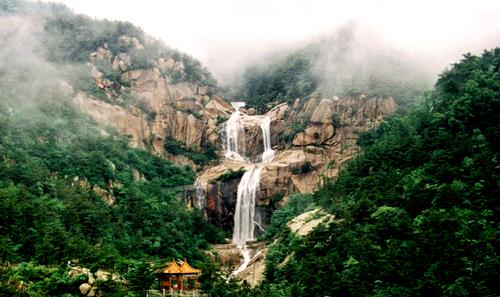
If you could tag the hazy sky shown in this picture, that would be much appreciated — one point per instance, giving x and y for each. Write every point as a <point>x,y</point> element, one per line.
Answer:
<point>222,33</point>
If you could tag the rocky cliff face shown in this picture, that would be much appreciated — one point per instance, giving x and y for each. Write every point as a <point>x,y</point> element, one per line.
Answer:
<point>312,138</point>
<point>326,140</point>
<point>305,156</point>
<point>149,107</point>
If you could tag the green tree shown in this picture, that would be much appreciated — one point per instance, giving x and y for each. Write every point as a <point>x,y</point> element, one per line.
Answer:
<point>140,277</point>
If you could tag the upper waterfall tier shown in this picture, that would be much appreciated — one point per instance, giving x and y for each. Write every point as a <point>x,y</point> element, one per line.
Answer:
<point>245,135</point>
<point>233,130</point>
<point>265,125</point>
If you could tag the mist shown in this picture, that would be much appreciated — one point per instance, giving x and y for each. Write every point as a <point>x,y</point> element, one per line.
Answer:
<point>24,71</point>
<point>227,35</point>
<point>359,40</point>
<point>32,88</point>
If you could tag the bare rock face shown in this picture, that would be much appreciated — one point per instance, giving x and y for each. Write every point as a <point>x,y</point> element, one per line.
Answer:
<point>150,108</point>
<point>328,140</point>
<point>149,129</point>
<point>228,255</point>
<point>221,192</point>
<point>324,112</point>
<point>128,121</point>
<point>305,223</point>
<point>253,274</point>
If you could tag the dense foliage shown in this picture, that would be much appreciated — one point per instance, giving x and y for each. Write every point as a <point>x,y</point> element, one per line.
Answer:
<point>200,156</point>
<point>49,216</point>
<point>282,81</point>
<point>73,191</point>
<point>72,38</point>
<point>418,210</point>
<point>43,155</point>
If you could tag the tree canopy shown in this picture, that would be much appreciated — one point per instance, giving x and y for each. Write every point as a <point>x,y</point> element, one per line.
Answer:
<point>418,209</point>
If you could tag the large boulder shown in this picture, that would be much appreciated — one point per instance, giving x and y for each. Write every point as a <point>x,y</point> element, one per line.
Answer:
<point>92,292</point>
<point>314,134</point>
<point>324,112</point>
<point>121,62</point>
<point>102,275</point>
<point>305,223</point>
<point>102,53</point>
<point>85,288</point>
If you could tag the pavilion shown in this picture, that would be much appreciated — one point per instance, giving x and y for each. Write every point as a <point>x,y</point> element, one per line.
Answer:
<point>175,275</point>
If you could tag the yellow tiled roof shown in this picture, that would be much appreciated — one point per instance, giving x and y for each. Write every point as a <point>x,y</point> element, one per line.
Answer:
<point>172,268</point>
<point>184,268</point>
<point>187,269</point>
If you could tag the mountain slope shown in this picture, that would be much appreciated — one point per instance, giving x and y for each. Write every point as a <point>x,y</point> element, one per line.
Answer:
<point>416,212</point>
<point>72,189</point>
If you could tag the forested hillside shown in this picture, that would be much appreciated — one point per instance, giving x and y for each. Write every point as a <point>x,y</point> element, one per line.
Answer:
<point>416,213</point>
<point>73,190</point>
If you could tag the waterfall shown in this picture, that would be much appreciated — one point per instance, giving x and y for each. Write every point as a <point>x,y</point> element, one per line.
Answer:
<point>248,188</point>
<point>232,130</point>
<point>200,194</point>
<point>244,215</point>
<point>265,126</point>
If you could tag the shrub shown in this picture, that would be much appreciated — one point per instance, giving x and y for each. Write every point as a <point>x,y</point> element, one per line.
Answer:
<point>105,67</point>
<point>294,129</point>
<point>230,174</point>
<point>303,169</point>
<point>206,155</point>
<point>336,121</point>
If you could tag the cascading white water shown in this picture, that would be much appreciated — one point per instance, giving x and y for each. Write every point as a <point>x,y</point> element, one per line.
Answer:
<point>244,215</point>
<point>245,252</point>
<point>265,126</point>
<point>248,188</point>
<point>232,130</point>
<point>200,194</point>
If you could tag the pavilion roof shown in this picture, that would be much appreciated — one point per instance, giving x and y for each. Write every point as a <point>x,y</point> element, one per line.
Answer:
<point>172,268</point>
<point>187,269</point>
<point>183,268</point>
